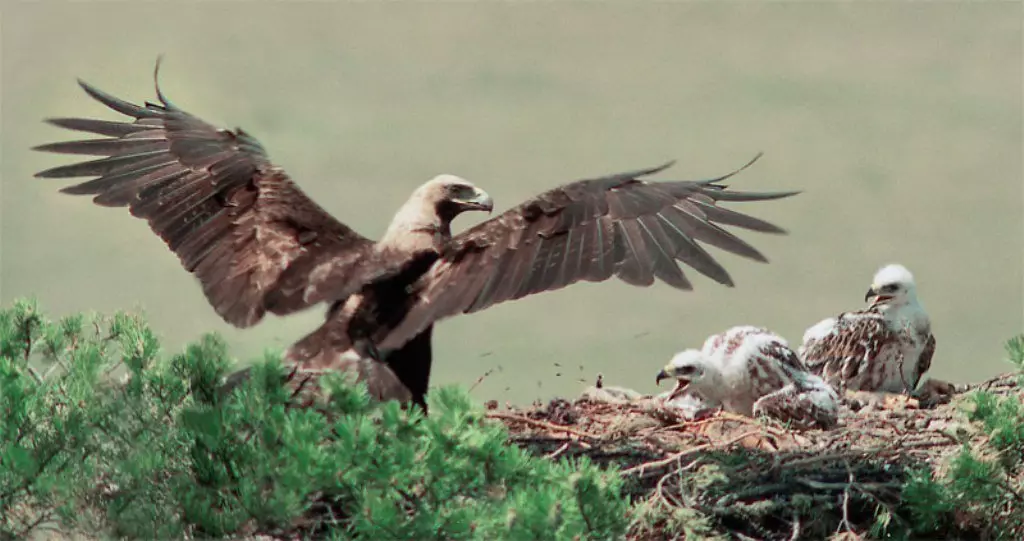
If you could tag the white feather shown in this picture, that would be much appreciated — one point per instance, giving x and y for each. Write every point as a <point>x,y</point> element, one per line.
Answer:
<point>893,273</point>
<point>820,330</point>
<point>740,366</point>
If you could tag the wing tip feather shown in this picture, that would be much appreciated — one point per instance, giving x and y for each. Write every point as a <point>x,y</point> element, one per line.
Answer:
<point>46,147</point>
<point>658,168</point>
<point>156,81</point>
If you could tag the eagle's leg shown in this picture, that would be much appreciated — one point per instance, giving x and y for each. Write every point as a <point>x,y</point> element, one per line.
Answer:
<point>800,407</point>
<point>411,364</point>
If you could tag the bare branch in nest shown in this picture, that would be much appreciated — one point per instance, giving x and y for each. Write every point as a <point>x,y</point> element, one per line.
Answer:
<point>541,424</point>
<point>682,454</point>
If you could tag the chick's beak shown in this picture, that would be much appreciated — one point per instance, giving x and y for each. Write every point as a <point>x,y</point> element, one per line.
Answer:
<point>661,375</point>
<point>481,200</point>
<point>874,296</point>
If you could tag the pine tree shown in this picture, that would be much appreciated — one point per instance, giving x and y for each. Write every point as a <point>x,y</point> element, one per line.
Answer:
<point>101,433</point>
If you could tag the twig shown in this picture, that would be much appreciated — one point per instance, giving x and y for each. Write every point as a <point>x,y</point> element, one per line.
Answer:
<point>724,416</point>
<point>559,451</point>
<point>542,424</point>
<point>822,485</point>
<point>481,379</point>
<point>846,501</point>
<point>35,375</point>
<point>683,454</point>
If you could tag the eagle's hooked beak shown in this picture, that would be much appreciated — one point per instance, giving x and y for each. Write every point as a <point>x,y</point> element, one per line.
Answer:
<point>661,375</point>
<point>480,200</point>
<point>682,377</point>
<point>681,382</point>
<point>874,296</point>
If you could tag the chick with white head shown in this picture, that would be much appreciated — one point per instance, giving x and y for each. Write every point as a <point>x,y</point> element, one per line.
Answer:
<point>752,371</point>
<point>883,348</point>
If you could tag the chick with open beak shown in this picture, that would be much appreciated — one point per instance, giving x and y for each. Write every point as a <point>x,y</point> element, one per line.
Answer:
<point>893,285</point>
<point>686,367</point>
<point>879,294</point>
<point>752,371</point>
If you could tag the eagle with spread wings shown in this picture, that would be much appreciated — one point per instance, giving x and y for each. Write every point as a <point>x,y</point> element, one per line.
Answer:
<point>257,244</point>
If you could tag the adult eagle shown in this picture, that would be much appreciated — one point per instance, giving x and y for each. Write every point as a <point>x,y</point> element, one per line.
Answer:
<point>258,244</point>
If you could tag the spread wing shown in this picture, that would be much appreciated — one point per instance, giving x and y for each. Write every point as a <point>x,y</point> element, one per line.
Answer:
<point>236,221</point>
<point>589,230</point>
<point>846,348</point>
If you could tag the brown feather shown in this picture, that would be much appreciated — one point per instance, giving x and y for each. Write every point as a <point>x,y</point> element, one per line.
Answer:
<point>585,230</point>
<point>848,357</point>
<point>257,243</point>
<point>234,219</point>
<point>925,361</point>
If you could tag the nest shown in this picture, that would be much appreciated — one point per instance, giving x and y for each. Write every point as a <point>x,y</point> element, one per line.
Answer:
<point>752,478</point>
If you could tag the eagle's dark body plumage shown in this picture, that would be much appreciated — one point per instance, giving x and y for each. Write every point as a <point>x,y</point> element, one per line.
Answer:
<point>257,244</point>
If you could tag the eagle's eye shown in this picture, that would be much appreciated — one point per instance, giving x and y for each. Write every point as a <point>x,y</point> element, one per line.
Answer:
<point>890,288</point>
<point>460,191</point>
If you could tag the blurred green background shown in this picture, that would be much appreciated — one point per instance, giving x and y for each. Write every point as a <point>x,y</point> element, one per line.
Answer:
<point>901,121</point>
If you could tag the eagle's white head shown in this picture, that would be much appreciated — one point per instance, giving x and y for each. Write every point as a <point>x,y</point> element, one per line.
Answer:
<point>427,215</point>
<point>691,370</point>
<point>892,287</point>
<point>455,191</point>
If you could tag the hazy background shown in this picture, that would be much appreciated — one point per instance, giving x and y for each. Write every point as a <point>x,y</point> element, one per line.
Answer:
<point>901,121</point>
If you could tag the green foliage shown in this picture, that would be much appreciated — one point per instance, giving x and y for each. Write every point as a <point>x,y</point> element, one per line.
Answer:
<point>927,500</point>
<point>1015,352</point>
<point>101,434</point>
<point>1002,419</point>
<point>984,482</point>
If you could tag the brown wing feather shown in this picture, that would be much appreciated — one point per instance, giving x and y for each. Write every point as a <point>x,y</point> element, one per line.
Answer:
<point>234,219</point>
<point>785,356</point>
<point>797,408</point>
<point>925,360</point>
<point>589,230</point>
<point>845,354</point>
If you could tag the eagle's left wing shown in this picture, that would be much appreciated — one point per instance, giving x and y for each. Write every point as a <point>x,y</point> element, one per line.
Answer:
<point>925,360</point>
<point>254,240</point>
<point>589,230</point>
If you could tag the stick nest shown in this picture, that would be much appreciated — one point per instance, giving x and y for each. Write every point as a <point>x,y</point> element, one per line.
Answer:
<point>731,476</point>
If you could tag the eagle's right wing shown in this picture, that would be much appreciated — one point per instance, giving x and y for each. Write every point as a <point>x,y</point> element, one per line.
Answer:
<point>589,230</point>
<point>254,240</point>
